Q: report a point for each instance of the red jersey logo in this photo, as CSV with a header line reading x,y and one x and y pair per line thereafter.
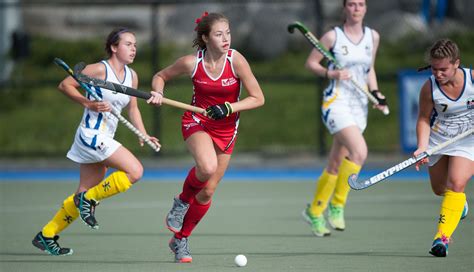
x,y
228,81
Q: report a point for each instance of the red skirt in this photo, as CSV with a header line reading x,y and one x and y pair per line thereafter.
x,y
222,132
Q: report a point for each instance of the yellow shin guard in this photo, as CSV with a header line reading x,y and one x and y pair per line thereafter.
x,y
450,214
324,190
62,219
347,170
117,182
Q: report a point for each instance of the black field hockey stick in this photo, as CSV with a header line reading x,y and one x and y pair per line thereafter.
x,y
325,52
114,111
129,90
359,185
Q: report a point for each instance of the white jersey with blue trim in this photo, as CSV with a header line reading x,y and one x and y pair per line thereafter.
x,y
106,123
452,117
343,104
94,140
355,57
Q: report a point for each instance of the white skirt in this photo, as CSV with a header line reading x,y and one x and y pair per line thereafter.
x,y
462,148
91,146
340,114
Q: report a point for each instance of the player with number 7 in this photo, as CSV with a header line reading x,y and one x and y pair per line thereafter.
x,y
447,111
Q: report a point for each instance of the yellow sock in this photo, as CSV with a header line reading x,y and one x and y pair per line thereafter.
x,y
117,182
62,219
324,190
450,214
347,170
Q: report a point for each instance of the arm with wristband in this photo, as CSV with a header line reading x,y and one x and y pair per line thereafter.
x,y
372,79
342,74
380,97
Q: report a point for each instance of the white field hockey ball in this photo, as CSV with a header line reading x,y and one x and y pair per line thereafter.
x,y
240,260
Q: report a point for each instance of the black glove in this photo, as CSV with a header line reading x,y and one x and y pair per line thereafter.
x,y
380,98
219,111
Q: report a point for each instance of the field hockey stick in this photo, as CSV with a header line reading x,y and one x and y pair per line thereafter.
x,y
357,185
130,91
114,111
317,44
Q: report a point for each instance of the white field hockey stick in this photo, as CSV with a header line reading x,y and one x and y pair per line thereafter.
x,y
114,111
359,185
315,42
129,90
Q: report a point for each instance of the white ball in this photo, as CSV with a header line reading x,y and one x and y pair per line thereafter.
x,y
240,260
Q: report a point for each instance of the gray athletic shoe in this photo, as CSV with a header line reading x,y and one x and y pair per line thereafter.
x,y
175,217
180,248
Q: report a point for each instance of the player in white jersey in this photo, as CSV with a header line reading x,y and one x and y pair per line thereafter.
x,y
94,140
452,116
94,147
446,110
344,112
343,105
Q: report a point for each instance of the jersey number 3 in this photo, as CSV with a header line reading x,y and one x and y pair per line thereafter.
x,y
344,50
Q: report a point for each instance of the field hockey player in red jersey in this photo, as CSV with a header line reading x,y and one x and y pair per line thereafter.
x,y
217,73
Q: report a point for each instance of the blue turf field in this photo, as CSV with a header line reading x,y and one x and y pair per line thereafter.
x,y
178,174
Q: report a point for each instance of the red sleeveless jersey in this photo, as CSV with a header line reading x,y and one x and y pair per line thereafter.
x,y
210,91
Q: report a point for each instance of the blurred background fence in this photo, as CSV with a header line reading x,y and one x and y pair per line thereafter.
x,y
37,120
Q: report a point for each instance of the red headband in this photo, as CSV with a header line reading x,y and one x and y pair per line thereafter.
x,y
198,20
